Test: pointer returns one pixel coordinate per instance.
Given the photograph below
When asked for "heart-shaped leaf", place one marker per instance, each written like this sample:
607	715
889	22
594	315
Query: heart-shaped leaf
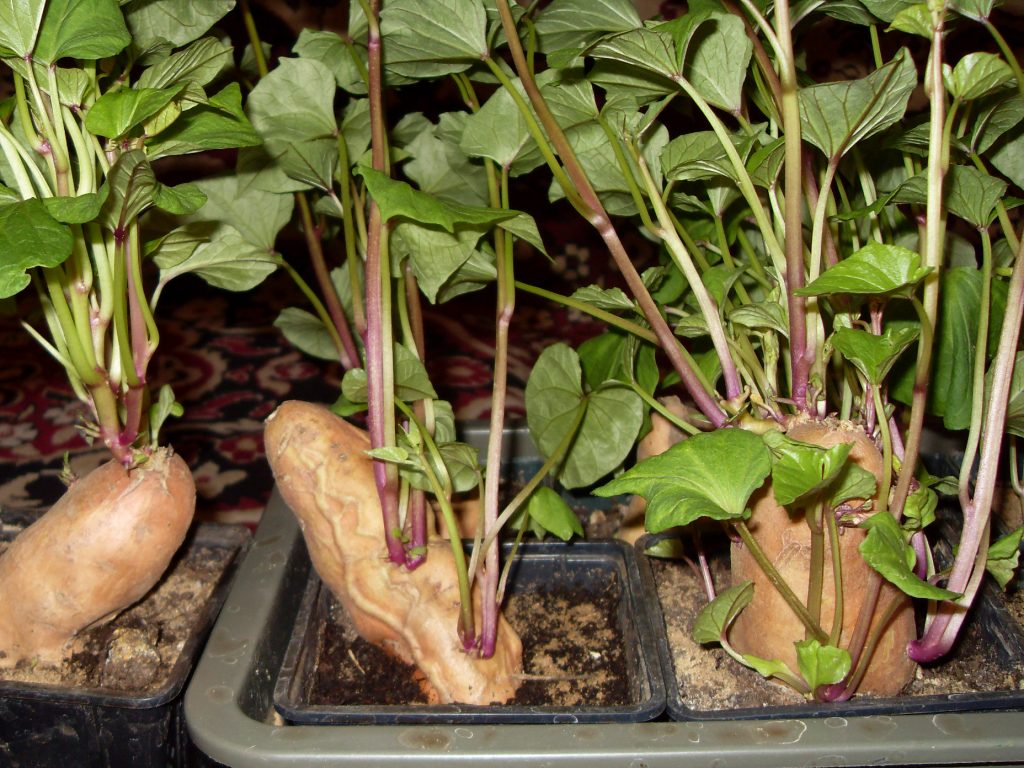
976	75
549	510
836	116
226	261
885	550
29	237
1004	557
801	470
116	113
430	38
969	194
577	23
821	664
219	124
306	332
873	355
874	270
177	22
554	398
711	475
80	29
292	108
716	617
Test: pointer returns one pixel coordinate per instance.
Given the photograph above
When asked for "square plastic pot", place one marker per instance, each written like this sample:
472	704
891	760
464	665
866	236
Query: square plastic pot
990	623
230	715
52	725
586	567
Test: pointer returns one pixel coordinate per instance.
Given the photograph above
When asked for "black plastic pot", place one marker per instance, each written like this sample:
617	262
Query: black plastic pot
231	718
51	725
585	567
990	626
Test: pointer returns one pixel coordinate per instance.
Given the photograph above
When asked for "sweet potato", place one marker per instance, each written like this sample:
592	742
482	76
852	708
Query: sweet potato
322	472
99	549
767	627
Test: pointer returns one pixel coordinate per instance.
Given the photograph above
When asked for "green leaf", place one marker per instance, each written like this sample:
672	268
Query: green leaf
716	617
611	420
887	10
440	168
177	21
307	333
29	237
969	193
199	63
821	664
711	475
1004	557
854	482
398	199
116	113
801	470
524	227
873	355
165	407
610	299
978	10
292	108
950	390
74	210
919	509
874	270
836	116
577	23
915	20
976	75
227	261
885	550
219	124
430	38
651	50
179	200
476	273
130	187
499	131
546	508
235	199
717	60
336	54
1007	155
19	25
79	29
992	122
411	380
768	667
435	255
766	315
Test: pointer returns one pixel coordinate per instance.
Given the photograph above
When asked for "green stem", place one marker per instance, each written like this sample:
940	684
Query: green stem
784	590
816	564
254	38
1008	53
837	578
883	428
664	412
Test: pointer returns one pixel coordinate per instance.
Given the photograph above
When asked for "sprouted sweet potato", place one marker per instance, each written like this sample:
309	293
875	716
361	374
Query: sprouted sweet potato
324	474
98	550
767	627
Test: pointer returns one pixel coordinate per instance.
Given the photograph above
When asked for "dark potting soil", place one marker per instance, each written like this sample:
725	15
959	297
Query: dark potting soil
573	654
136	651
710	680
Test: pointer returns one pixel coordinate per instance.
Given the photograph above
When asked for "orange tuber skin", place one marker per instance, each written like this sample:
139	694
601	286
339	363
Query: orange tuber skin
322	471
100	548
767	627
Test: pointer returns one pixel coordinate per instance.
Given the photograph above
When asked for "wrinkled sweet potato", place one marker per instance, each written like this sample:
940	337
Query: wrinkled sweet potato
767	627
99	549
322	472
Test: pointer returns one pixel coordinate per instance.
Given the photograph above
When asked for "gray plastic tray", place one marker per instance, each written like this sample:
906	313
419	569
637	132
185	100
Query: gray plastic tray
230	715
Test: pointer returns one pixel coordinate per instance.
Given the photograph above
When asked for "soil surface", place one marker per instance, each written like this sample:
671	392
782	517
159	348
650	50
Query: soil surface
573	654
710	680
136	651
